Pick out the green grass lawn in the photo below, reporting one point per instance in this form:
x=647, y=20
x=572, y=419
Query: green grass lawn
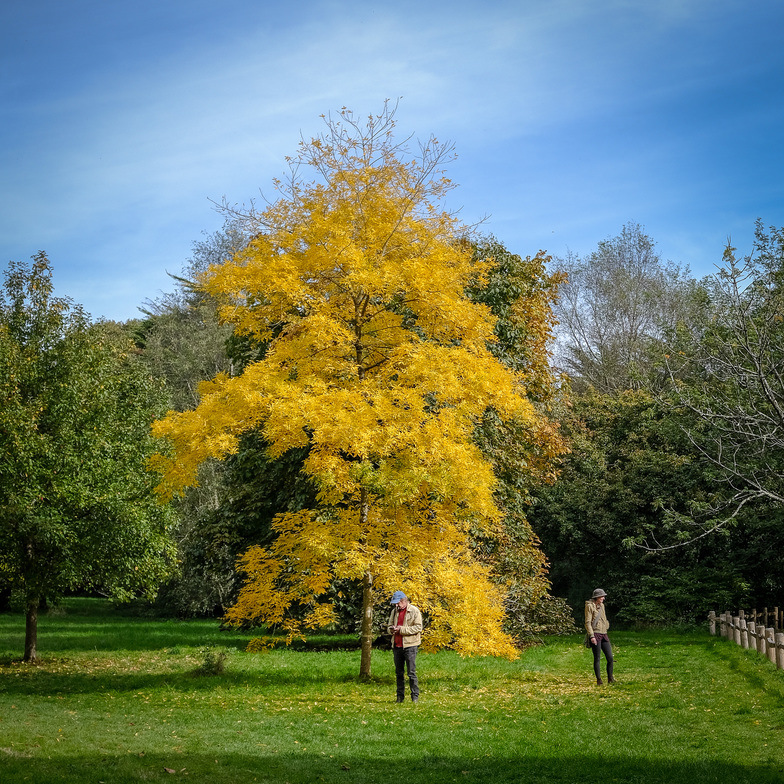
x=115, y=699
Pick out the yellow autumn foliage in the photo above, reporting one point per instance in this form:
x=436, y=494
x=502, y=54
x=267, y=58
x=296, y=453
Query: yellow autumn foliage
x=379, y=363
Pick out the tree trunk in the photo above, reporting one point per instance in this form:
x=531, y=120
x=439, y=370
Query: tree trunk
x=31, y=631
x=366, y=635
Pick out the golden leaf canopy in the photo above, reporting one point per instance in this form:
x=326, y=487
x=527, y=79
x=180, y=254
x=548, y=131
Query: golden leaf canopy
x=374, y=358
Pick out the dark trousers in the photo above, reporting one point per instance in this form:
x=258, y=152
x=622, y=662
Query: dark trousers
x=602, y=644
x=406, y=657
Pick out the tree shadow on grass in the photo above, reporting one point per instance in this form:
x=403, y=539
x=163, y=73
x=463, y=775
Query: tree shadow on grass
x=43, y=682
x=56, y=636
x=85, y=624
x=69, y=635
x=445, y=767
x=752, y=667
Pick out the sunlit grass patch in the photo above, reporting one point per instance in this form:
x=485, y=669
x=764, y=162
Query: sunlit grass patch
x=128, y=714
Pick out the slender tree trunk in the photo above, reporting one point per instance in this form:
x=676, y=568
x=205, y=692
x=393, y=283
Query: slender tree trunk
x=366, y=633
x=366, y=636
x=31, y=631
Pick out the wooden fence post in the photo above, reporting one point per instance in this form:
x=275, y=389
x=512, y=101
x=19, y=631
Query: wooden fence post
x=770, y=642
x=746, y=632
x=762, y=644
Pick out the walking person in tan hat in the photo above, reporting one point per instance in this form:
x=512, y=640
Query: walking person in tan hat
x=597, y=626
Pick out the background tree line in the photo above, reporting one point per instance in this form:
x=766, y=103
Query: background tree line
x=638, y=341
x=671, y=407
x=649, y=459
x=671, y=494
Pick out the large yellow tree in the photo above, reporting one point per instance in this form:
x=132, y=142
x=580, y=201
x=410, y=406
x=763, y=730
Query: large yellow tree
x=376, y=360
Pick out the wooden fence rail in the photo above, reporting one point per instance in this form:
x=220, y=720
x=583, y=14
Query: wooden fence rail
x=767, y=640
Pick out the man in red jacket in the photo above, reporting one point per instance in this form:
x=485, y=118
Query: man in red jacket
x=405, y=626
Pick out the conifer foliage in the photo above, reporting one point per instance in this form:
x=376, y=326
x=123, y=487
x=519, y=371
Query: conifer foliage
x=380, y=365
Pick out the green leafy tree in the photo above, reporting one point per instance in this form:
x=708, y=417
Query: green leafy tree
x=630, y=465
x=183, y=343
x=520, y=294
x=77, y=509
x=729, y=377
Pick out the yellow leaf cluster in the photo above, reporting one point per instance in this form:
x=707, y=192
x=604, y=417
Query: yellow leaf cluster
x=428, y=543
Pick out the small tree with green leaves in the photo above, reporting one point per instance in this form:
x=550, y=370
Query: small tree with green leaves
x=76, y=503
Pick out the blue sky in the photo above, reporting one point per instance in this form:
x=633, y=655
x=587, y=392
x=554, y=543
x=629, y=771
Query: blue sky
x=121, y=122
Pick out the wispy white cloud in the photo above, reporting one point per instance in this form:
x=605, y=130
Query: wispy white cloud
x=120, y=125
